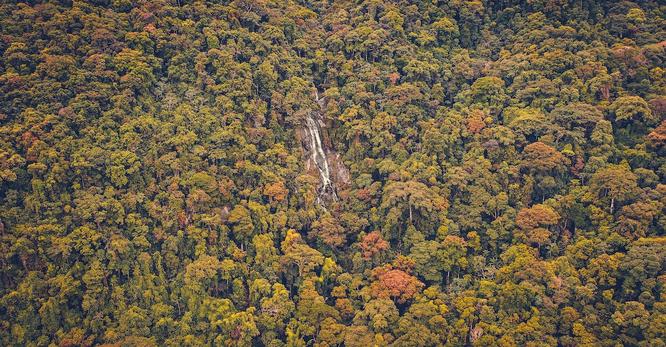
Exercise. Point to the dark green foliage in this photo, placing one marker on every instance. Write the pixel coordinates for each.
(499, 171)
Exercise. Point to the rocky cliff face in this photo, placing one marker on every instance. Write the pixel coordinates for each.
(320, 158)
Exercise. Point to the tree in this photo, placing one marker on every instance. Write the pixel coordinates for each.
(240, 328)
(578, 120)
(276, 192)
(276, 310)
(642, 264)
(541, 158)
(453, 255)
(300, 254)
(10, 162)
(329, 232)
(242, 225)
(528, 122)
(489, 91)
(615, 183)
(373, 244)
(312, 310)
(545, 164)
(266, 259)
(632, 117)
(428, 264)
(394, 283)
(401, 200)
(628, 109)
(657, 138)
(535, 221)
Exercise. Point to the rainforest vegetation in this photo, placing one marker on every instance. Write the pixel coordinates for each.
(332, 173)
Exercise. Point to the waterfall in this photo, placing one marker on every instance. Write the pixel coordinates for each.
(318, 153)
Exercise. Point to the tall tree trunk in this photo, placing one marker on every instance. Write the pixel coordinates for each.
(612, 205)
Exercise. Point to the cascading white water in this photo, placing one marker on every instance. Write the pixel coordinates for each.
(318, 153)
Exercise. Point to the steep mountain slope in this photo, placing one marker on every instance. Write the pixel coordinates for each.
(332, 173)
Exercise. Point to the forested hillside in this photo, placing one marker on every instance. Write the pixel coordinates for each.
(332, 173)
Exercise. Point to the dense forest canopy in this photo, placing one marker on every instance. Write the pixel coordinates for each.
(332, 173)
